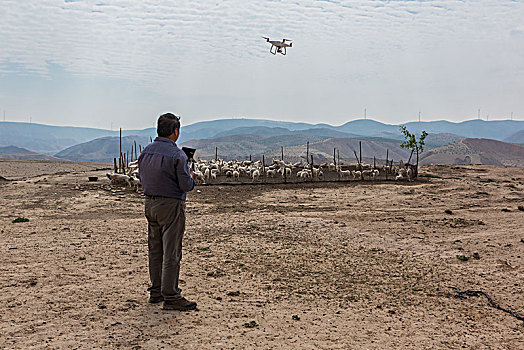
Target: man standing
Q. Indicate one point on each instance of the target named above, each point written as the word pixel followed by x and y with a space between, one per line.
pixel 166 177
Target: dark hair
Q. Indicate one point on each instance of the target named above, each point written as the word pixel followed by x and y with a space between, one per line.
pixel 167 123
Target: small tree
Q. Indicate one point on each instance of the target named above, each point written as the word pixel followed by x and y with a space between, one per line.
pixel 412 143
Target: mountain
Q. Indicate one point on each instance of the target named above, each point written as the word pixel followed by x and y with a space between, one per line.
pixel 517 138
pixel 274 131
pixel 53 139
pixel 476 151
pixel 241 146
pixel 102 149
pixel 50 139
pixel 13 152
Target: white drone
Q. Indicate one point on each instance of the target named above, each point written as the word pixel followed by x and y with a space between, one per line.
pixel 280 46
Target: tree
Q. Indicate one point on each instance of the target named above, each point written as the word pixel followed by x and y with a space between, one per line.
pixel 411 143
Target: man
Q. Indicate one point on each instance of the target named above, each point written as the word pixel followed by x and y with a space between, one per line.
pixel 166 178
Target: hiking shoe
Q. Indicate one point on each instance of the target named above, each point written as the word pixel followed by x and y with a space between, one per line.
pixel 181 304
pixel 156 300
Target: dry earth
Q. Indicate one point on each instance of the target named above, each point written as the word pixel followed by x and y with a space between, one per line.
pixel 315 266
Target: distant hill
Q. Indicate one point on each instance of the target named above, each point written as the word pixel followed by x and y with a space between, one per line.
pixel 50 139
pixel 54 139
pixel 269 131
pixel 13 152
pixel 102 149
pixel 241 146
pixel 517 138
pixel 476 151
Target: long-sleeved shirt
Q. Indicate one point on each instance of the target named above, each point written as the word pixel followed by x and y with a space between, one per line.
pixel 164 171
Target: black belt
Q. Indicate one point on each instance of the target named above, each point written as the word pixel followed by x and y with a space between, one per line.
pixel 158 197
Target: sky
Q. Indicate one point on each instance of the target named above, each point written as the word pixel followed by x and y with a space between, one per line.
pixel 119 63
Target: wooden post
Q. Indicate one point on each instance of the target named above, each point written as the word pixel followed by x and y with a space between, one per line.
pixel 338 164
pixel 123 162
pixel 284 170
pixel 282 149
pixel 136 155
pixel 334 160
pixel 311 167
pixel 386 168
pixel 359 167
pixel 374 162
pixel 360 145
pixel 120 157
pixel 250 157
pixel 114 161
pixel 216 153
pixel 140 147
pixel 150 139
pixel 307 152
pixel 264 167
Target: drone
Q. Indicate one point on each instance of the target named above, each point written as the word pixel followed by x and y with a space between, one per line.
pixel 280 46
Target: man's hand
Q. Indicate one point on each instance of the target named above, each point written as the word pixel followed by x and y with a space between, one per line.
pixel 192 173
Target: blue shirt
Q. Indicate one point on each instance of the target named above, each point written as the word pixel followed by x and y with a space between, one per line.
pixel 164 171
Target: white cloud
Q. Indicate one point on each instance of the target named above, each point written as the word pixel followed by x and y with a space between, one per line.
pixel 373 50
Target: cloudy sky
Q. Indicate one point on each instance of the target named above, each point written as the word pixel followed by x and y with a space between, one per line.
pixel 120 62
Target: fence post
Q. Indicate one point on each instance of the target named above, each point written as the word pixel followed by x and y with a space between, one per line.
pixel 216 154
pixel 360 145
pixel 334 160
pixel 264 168
pixel 311 167
pixel 307 153
pixel 338 164
pixel 386 168
pixel 114 161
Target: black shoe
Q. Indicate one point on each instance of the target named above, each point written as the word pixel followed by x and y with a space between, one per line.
pixel 181 304
pixel 156 300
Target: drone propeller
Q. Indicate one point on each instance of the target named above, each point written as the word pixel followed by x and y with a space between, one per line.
pixel 265 38
pixel 286 40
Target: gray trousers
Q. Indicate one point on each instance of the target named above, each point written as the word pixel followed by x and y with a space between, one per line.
pixel 166 219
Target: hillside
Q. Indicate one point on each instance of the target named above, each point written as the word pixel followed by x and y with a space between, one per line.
pixel 102 149
pixel 476 151
pixel 52 139
pixel 517 138
pixel 241 146
pixel 13 152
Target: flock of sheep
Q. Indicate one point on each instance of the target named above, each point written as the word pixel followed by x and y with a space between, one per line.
pixel 211 171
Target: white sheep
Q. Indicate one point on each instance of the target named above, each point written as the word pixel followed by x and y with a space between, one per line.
pixel 357 175
pixel 375 174
pixel 344 173
pixel 236 175
pixel 255 175
pixel 120 179
pixel 270 173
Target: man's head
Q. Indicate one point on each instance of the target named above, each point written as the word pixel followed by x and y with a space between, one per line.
pixel 168 126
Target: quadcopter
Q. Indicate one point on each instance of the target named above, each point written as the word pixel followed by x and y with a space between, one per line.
pixel 280 46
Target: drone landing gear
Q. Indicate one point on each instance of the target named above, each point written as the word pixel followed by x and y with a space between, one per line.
pixel 277 49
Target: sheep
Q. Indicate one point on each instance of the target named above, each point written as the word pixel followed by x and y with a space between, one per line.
pixel 357 175
pixel 366 173
pixel 344 173
pixel 332 167
pixel 375 174
pixel 236 175
pixel 120 179
pixel 213 176
pixel 317 171
pixel 207 174
pixel 255 175
pixel 409 174
pixel 270 173
pixel 286 172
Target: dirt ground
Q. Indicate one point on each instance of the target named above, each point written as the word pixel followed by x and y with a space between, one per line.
pixel 311 266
